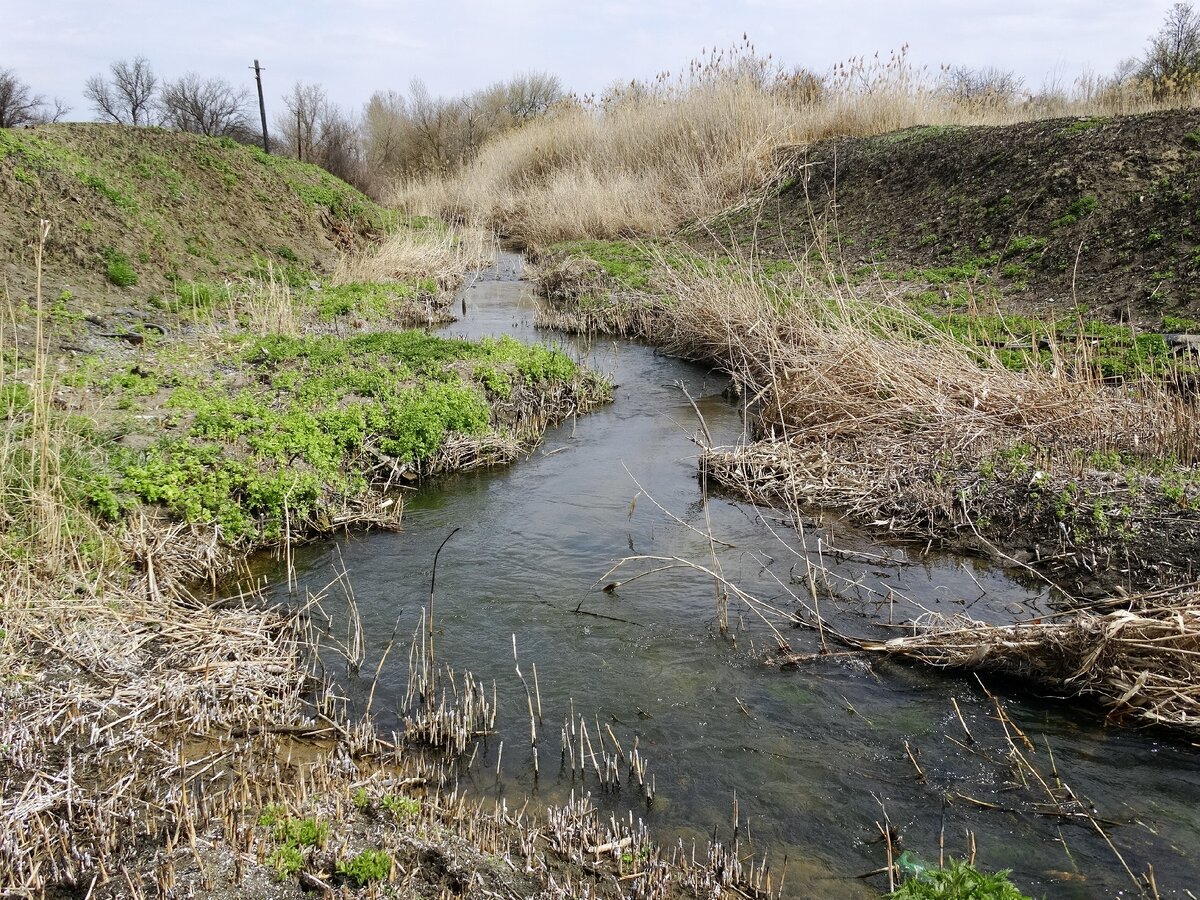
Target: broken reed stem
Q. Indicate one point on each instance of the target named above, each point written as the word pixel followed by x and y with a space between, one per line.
pixel 432 587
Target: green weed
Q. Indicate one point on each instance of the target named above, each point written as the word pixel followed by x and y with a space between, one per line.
pixel 367 866
pixel 401 807
pixel 1078 209
pixel 958 881
pixel 119 269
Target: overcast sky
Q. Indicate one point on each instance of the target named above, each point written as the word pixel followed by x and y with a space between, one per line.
pixel 355 47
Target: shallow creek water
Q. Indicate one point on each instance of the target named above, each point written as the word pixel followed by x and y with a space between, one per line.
pixel 815 755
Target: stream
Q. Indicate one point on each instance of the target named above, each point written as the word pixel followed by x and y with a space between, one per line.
pixel 815 755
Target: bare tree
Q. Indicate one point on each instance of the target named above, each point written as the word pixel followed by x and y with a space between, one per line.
pixel 19 105
pixel 210 106
pixel 988 87
pixel 1172 61
pixel 318 131
pixel 305 106
pixel 531 94
pixel 128 96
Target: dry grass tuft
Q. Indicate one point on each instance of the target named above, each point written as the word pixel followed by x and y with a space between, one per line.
pixel 410 254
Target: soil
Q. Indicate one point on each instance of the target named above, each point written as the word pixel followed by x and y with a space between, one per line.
pixel 1037 216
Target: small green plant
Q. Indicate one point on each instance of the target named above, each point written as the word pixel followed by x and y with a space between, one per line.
pixel 307 832
pixel 958 881
pixel 1083 125
pixel 367 866
pixel 286 861
pixel 119 269
pixel 401 807
pixel 1078 209
pixel 361 799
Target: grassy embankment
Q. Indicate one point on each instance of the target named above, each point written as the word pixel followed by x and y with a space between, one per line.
pixel 908 316
pixel 193 365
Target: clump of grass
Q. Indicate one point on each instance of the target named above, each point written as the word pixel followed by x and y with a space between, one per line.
pixel 118 269
pixel 1079 208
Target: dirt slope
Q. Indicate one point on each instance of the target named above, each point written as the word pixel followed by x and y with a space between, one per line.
pixel 1103 212
pixel 171 205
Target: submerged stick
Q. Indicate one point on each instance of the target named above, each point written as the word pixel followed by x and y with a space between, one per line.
pixel 432 585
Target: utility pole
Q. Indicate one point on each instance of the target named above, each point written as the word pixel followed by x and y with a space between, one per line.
pixel 262 107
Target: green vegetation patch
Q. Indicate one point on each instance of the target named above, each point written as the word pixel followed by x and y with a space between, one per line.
pixel 1082 125
pixel 958 881
pixel 1021 342
pixel 316 417
pixel 319 189
pixel 630 265
pixel 366 867
pixel 1079 208
pixel 293 838
pixel 118 269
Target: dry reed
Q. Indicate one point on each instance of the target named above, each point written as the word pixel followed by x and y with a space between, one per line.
pixel 646 159
pixel 443 253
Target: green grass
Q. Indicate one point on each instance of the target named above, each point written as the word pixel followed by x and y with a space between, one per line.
pixel 372 301
pixel 118 269
pixel 1085 124
pixel 1113 351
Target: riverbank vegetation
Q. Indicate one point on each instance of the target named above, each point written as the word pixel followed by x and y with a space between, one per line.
pixel 206 349
pixel 149 439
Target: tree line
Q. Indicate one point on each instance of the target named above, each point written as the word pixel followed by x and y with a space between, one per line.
pixel 414 133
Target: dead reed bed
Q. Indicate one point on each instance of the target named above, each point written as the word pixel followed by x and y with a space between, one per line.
pixel 858 403
pixel 646 158
pixel 1138 656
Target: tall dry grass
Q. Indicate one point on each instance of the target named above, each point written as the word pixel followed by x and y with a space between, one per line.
pixel 46 528
pixel 645 159
pixel 444 254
